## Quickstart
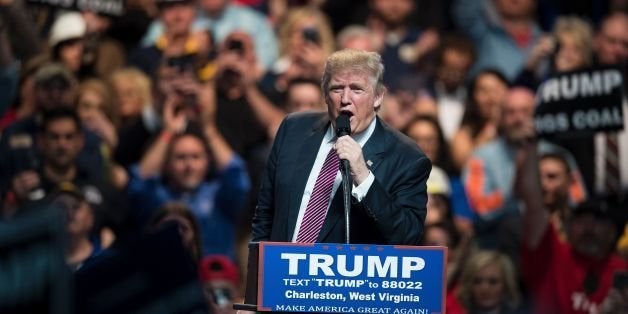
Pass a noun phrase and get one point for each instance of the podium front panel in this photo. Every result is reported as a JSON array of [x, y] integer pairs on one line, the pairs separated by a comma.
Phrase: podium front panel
[[350, 278]]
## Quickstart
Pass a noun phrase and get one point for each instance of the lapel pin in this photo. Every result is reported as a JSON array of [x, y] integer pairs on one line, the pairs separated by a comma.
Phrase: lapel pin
[[369, 163]]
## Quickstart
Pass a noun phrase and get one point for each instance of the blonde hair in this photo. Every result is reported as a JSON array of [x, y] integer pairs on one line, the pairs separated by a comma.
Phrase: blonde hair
[[355, 61], [481, 260], [293, 17], [102, 89], [580, 30], [140, 81]]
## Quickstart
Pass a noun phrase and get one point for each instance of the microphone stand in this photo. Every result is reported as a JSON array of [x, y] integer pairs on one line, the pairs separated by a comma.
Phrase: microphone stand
[[347, 185], [343, 127]]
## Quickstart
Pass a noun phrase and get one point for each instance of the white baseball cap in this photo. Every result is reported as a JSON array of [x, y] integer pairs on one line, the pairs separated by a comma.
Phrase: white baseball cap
[[438, 182], [67, 26]]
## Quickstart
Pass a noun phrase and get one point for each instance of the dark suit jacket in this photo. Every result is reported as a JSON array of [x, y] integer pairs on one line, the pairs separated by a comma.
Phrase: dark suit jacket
[[392, 212]]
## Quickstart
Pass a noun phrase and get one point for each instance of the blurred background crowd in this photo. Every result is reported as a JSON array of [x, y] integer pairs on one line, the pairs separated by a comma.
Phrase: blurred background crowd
[[132, 115]]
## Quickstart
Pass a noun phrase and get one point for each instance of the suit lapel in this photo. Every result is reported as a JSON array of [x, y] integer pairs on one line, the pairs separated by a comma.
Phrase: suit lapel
[[375, 147], [310, 145], [373, 152]]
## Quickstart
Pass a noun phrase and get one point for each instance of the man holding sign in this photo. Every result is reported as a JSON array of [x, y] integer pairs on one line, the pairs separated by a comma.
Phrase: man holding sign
[[585, 111], [489, 176]]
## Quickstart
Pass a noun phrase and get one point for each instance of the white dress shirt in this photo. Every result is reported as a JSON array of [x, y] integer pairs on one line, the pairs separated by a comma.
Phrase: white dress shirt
[[327, 144]]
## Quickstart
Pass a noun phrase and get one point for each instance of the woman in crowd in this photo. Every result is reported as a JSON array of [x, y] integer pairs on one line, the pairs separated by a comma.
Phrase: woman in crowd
[[131, 92], [488, 284], [66, 41], [305, 41], [138, 117], [96, 110], [568, 48], [479, 123], [427, 133], [98, 114]]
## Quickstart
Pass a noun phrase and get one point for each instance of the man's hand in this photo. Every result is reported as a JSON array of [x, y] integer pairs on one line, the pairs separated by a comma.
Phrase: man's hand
[[100, 124], [207, 103], [175, 119], [543, 49], [427, 42], [347, 148], [310, 57], [25, 182]]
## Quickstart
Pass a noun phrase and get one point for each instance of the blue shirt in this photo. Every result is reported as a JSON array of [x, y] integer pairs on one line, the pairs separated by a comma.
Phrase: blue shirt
[[495, 48], [216, 203], [233, 18]]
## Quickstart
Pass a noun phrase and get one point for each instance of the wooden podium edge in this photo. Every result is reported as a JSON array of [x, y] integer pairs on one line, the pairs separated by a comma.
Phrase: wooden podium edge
[[245, 307]]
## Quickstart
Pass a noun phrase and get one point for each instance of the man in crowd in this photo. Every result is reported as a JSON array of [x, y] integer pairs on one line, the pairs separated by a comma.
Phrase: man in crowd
[[60, 141], [192, 164], [401, 44], [556, 179], [490, 173], [503, 40], [177, 40], [572, 276], [448, 86], [611, 48], [304, 94], [224, 17], [55, 87]]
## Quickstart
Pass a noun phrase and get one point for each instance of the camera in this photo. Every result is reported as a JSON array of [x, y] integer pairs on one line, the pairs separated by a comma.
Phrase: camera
[[182, 63], [23, 153], [236, 46], [311, 34], [26, 159]]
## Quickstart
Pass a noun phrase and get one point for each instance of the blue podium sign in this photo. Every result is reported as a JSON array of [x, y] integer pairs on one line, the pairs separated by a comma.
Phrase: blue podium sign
[[351, 278]]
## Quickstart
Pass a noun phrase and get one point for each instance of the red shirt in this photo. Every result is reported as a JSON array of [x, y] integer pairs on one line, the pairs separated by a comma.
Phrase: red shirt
[[452, 305], [555, 275]]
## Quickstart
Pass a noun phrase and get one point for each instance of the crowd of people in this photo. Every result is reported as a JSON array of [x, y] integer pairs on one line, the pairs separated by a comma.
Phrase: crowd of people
[[166, 114]]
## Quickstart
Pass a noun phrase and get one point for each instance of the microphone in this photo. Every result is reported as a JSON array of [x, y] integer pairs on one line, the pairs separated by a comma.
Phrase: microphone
[[343, 127]]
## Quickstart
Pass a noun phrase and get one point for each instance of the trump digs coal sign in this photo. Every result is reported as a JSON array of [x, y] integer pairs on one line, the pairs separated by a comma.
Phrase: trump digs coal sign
[[587, 100]]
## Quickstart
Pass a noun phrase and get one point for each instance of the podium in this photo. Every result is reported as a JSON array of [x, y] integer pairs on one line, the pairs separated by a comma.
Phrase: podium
[[344, 278], [250, 294]]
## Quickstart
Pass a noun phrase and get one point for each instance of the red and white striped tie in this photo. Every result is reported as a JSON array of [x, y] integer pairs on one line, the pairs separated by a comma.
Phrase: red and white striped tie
[[316, 209]]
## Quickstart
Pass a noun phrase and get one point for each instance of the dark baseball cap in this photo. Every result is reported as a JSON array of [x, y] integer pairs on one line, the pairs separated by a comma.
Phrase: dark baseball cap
[[607, 207]]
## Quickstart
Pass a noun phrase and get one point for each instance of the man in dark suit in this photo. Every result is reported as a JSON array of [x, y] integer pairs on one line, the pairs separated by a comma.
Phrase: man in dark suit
[[388, 170]]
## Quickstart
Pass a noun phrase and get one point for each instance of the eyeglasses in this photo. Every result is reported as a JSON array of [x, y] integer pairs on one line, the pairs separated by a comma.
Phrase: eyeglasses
[[491, 281]]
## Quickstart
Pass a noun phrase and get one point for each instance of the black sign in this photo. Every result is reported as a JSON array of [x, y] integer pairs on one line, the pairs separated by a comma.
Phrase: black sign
[[104, 7], [581, 101]]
